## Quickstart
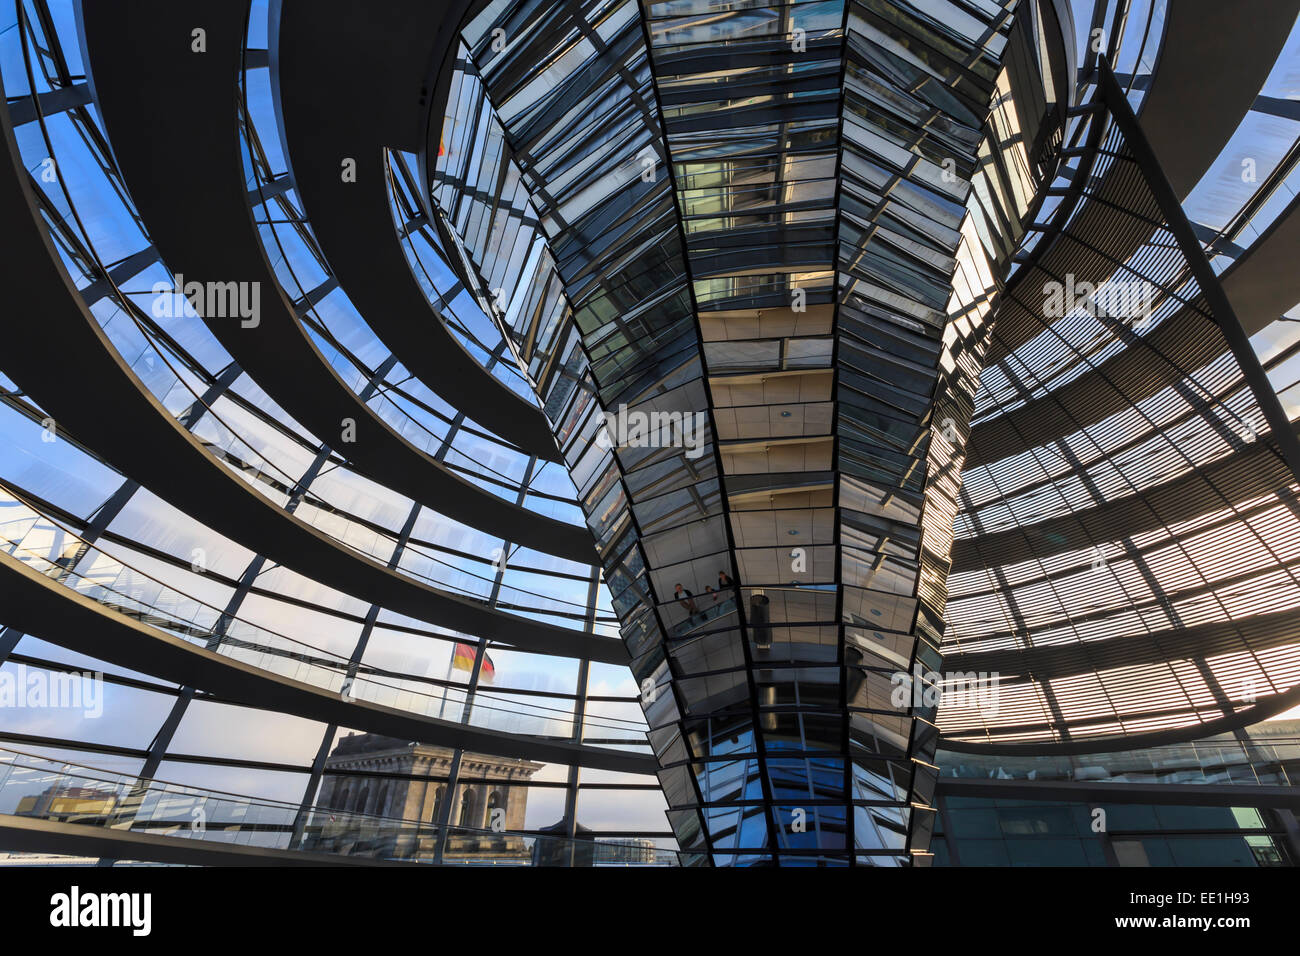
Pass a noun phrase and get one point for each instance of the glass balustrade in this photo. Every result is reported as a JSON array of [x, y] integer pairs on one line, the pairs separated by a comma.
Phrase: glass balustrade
[[37, 787]]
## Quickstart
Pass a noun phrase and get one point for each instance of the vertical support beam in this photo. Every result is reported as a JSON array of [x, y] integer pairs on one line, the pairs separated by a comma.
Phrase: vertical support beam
[[318, 764], [313, 787], [579, 718], [453, 776], [9, 639]]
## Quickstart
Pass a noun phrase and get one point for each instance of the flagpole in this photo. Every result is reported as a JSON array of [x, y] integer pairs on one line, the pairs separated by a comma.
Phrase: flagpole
[[447, 680]]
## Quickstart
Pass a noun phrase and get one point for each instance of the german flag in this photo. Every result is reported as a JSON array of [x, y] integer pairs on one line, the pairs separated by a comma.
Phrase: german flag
[[463, 660]]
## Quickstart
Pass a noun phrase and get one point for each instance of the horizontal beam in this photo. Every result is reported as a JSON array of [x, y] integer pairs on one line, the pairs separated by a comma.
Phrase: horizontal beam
[[1266, 708], [35, 604], [1255, 471], [1205, 640]]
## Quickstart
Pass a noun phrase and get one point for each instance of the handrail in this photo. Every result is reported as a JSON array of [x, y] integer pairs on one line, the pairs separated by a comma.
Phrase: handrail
[[1272, 761]]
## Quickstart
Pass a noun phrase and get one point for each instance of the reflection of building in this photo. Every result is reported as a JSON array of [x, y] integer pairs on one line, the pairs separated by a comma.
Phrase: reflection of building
[[68, 804], [414, 787], [555, 848], [626, 850]]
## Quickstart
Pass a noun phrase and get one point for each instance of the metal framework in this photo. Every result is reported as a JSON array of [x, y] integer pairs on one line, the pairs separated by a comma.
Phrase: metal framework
[[724, 380], [1129, 438]]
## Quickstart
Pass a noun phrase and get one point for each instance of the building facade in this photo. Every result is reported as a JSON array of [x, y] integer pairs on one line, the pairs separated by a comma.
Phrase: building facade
[[372, 775]]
